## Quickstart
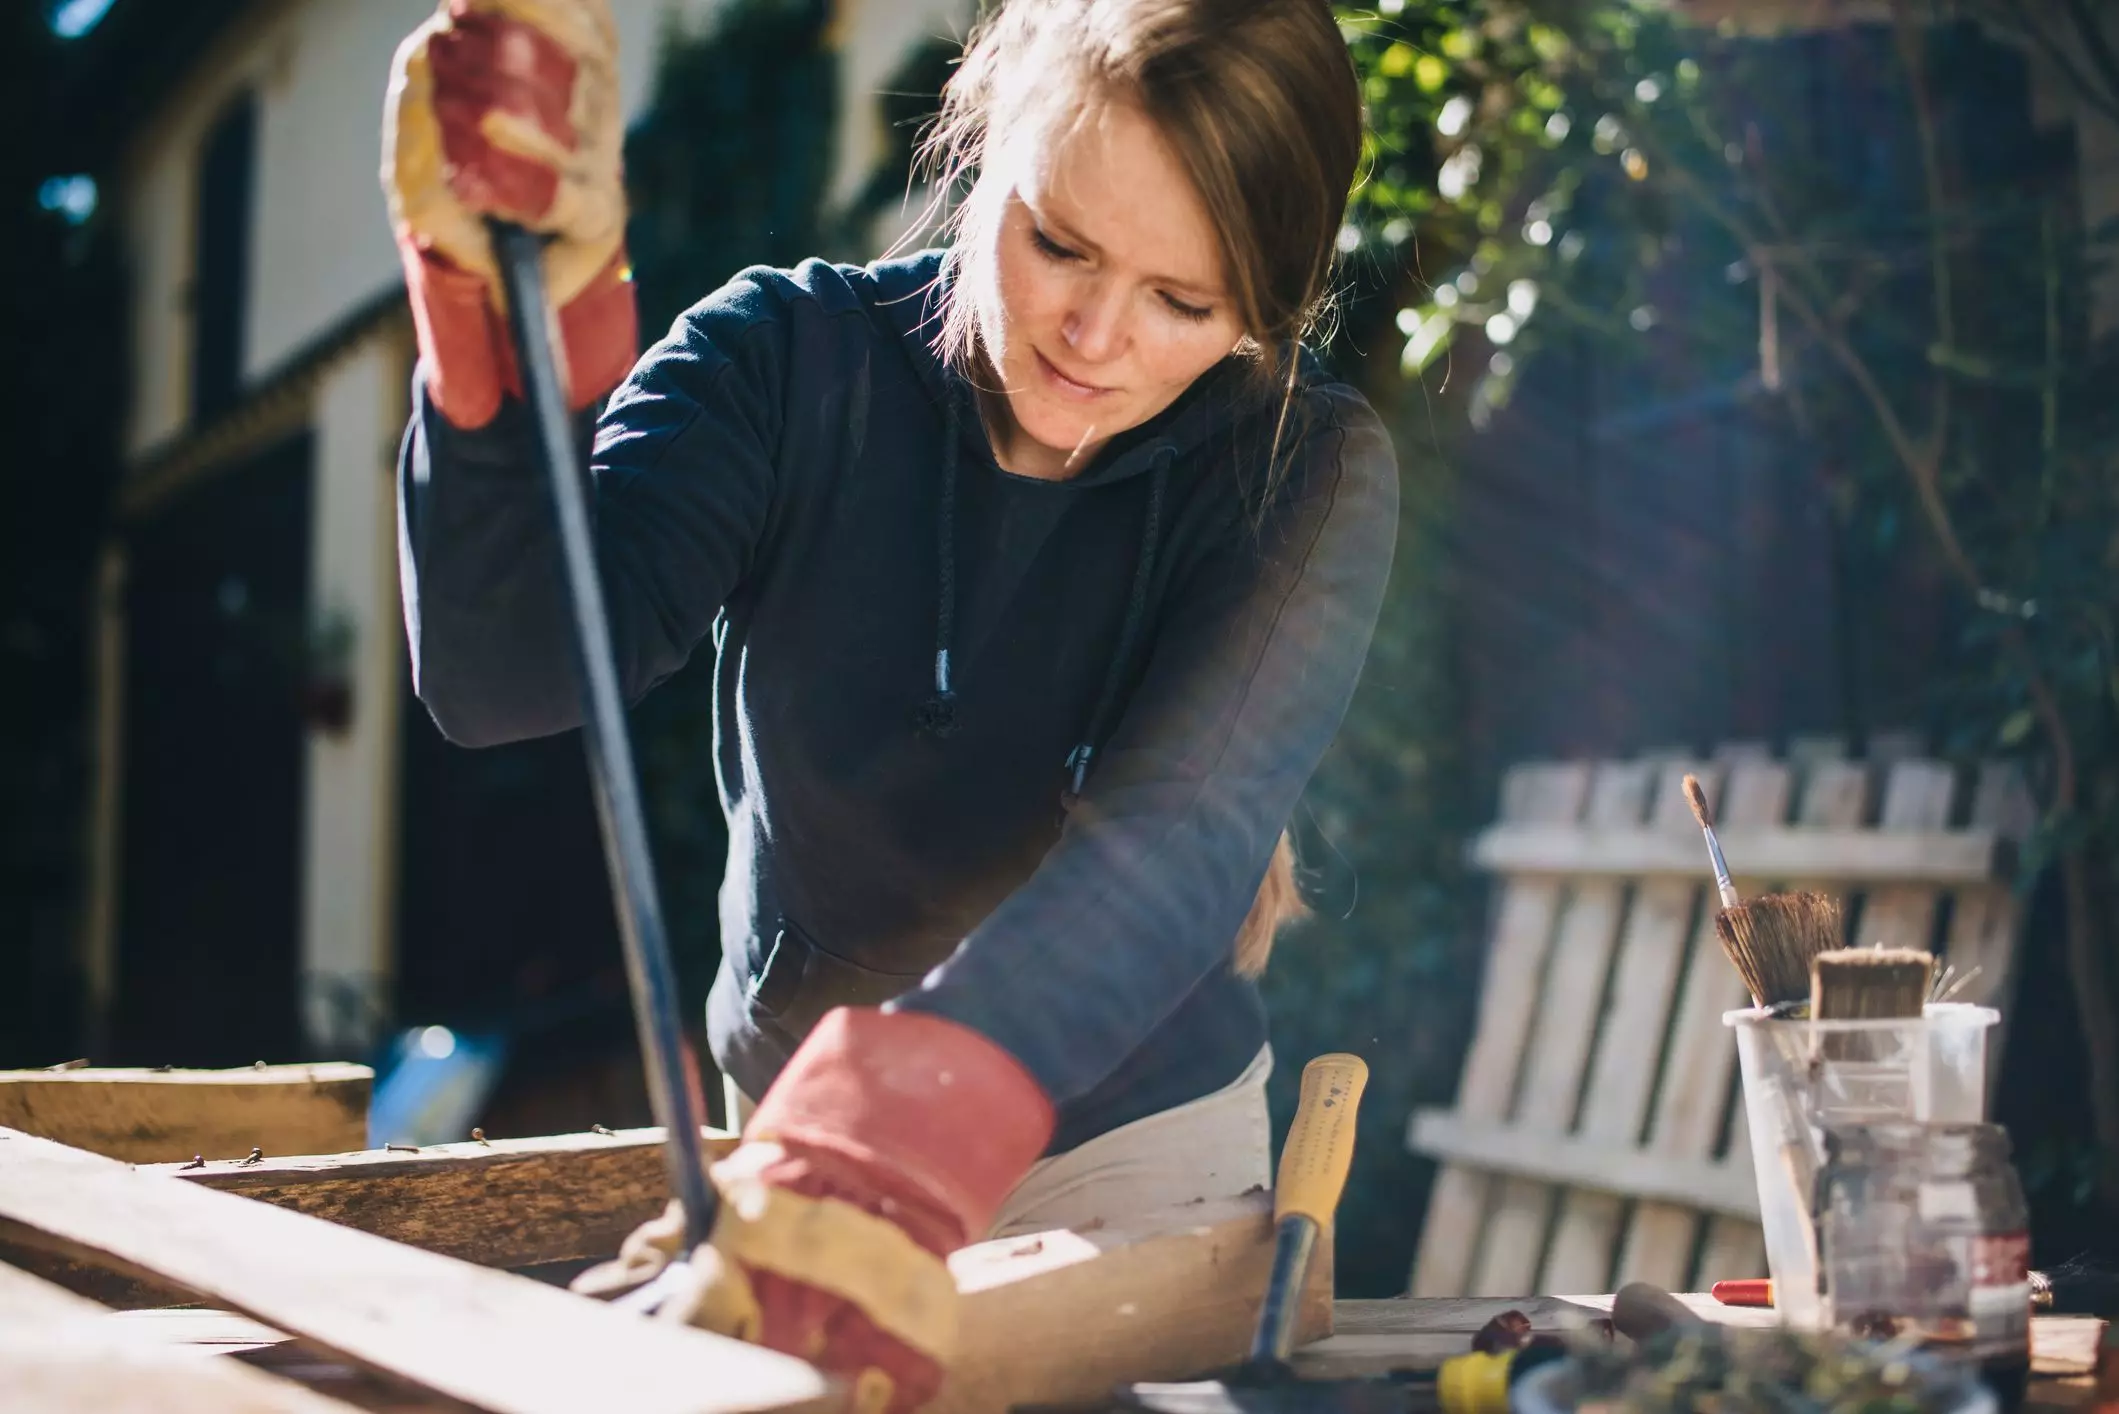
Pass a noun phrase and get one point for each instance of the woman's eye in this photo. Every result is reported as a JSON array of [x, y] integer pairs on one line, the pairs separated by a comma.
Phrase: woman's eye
[[1182, 310], [1049, 247]]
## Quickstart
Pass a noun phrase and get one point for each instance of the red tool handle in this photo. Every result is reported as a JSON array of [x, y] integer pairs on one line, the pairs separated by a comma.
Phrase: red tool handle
[[1753, 1291]]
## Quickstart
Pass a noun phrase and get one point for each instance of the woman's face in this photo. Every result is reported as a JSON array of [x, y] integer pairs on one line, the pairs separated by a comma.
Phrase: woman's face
[[1106, 295]]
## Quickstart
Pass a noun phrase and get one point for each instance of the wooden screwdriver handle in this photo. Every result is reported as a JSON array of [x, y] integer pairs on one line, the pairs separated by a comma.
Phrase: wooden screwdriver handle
[[1320, 1144]]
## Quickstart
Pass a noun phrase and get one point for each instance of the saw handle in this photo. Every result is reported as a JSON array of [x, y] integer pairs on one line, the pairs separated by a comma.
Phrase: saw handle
[[1313, 1167]]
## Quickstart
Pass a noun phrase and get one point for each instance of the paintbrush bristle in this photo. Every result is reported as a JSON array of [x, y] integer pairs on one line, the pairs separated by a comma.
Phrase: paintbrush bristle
[[1696, 797], [1772, 939], [1870, 984]]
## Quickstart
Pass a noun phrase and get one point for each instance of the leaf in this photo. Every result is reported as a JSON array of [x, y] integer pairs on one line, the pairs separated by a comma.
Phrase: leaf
[[1397, 61], [2017, 727], [1430, 73]]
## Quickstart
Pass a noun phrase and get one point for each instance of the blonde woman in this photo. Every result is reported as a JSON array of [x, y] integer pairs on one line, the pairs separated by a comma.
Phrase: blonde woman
[[1038, 571]]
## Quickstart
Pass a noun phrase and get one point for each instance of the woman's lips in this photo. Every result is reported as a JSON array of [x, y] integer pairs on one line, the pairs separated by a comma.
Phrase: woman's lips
[[1061, 383]]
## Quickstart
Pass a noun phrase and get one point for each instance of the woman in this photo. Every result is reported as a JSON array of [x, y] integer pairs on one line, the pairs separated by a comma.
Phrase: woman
[[1039, 574]]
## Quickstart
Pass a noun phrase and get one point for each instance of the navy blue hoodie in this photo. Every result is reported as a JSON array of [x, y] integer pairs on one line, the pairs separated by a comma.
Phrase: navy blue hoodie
[[1011, 751]]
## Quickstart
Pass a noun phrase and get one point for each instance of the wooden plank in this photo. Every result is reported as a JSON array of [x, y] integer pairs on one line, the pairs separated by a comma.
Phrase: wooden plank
[[148, 1116], [1917, 799], [1558, 1045], [1928, 855], [507, 1203], [496, 1341], [1700, 1060], [1835, 797], [1586, 1167], [62, 1355], [1167, 1295], [1521, 932], [1630, 1043], [1061, 1317]]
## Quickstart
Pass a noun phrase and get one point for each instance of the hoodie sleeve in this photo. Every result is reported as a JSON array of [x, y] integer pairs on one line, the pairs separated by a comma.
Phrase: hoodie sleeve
[[1253, 664], [682, 468]]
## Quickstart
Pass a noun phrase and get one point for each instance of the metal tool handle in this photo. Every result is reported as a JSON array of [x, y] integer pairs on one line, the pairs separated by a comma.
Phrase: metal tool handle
[[1313, 1168], [672, 1072]]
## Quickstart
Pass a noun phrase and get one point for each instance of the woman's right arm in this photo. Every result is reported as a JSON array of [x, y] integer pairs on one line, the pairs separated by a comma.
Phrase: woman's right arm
[[509, 110], [683, 477]]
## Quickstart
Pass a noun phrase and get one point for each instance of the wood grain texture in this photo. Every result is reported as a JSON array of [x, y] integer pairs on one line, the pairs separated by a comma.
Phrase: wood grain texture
[[1557, 1055], [1062, 1317], [1522, 929], [1917, 800], [61, 1354], [495, 1341], [507, 1203], [148, 1116]]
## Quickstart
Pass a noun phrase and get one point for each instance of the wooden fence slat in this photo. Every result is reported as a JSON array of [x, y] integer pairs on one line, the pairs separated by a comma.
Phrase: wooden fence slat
[[1917, 797], [1622, 1078], [1522, 929], [1701, 1058], [1558, 1045], [1930, 855]]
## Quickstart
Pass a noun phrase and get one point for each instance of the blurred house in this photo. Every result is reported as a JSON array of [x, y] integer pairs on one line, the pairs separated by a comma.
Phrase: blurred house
[[257, 751]]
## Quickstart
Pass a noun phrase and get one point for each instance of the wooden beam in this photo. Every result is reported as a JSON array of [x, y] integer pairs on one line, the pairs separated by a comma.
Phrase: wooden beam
[[1548, 1157], [1851, 857], [63, 1355], [1051, 1317], [507, 1203], [495, 1341], [1063, 1317], [147, 1116]]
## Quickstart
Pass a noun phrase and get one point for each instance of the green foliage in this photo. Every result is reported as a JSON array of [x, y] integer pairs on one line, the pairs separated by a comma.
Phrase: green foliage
[[1881, 256]]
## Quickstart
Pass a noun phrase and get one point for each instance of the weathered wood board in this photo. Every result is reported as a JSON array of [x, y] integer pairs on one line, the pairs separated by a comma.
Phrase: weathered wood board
[[495, 1341], [148, 1116]]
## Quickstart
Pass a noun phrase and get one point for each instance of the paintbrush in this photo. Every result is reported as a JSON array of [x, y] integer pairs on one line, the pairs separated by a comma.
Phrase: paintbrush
[[1867, 984], [1770, 940]]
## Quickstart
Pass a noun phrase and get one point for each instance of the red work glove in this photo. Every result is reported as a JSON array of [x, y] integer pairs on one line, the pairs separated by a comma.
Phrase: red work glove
[[510, 109], [888, 1142]]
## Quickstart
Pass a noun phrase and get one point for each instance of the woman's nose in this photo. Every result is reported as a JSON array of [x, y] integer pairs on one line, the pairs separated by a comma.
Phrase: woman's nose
[[1095, 327]]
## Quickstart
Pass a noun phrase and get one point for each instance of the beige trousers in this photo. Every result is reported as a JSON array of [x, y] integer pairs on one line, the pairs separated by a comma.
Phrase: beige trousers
[[1216, 1146]]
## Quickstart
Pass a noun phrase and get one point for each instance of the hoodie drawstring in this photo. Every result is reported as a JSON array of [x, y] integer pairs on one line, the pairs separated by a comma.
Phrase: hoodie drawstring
[[937, 716], [1136, 614]]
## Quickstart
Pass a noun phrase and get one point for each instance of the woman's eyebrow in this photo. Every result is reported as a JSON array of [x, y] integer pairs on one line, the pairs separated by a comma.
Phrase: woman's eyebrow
[[1073, 237]]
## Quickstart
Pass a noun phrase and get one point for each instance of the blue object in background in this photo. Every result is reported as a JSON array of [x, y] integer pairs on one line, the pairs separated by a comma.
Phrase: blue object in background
[[431, 1085]]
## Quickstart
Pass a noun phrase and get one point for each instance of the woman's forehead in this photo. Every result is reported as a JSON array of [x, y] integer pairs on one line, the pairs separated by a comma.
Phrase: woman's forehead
[[1110, 180]]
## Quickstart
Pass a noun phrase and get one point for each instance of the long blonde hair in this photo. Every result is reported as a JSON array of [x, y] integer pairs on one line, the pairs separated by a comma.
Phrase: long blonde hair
[[1279, 903]]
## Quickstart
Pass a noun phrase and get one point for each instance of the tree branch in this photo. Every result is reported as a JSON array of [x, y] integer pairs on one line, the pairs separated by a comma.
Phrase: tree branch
[[1910, 41]]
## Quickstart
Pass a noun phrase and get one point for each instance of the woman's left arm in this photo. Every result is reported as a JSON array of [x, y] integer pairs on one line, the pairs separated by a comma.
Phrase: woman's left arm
[[1252, 668]]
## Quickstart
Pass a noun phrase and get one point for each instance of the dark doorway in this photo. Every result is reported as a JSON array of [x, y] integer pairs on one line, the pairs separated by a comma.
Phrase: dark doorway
[[210, 882]]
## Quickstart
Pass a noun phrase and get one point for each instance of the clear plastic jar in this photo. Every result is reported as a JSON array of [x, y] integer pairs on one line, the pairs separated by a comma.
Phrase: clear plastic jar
[[1923, 1233]]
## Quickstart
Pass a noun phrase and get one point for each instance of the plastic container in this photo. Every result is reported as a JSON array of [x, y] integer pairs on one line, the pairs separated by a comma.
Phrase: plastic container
[[1800, 1076]]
